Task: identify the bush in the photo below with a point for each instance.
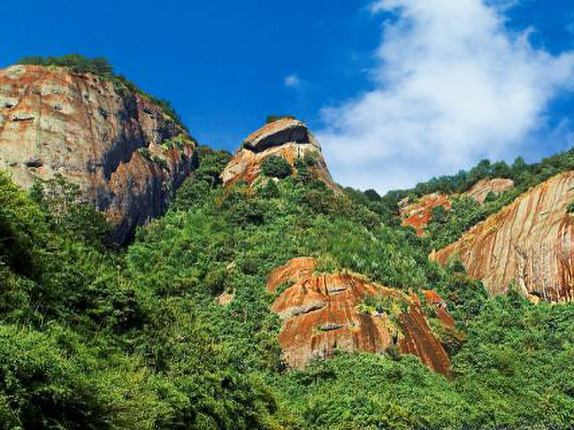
(276, 167)
(273, 118)
(75, 62)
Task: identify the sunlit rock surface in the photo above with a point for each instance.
(418, 214)
(324, 312)
(483, 188)
(529, 243)
(105, 139)
(286, 138)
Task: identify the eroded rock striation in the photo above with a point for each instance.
(529, 243)
(484, 187)
(287, 138)
(121, 148)
(324, 312)
(418, 214)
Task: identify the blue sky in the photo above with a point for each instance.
(363, 74)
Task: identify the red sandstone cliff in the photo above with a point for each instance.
(483, 188)
(418, 214)
(322, 313)
(286, 138)
(529, 243)
(106, 139)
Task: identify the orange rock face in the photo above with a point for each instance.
(528, 243)
(486, 186)
(322, 313)
(417, 215)
(286, 138)
(79, 125)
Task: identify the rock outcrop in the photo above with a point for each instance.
(483, 188)
(121, 148)
(529, 243)
(418, 214)
(287, 138)
(325, 312)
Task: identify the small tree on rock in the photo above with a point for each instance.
(276, 167)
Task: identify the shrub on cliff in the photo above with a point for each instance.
(276, 167)
(76, 62)
(273, 118)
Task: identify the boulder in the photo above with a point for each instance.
(287, 138)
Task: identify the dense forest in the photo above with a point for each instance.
(98, 336)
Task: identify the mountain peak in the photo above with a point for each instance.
(287, 138)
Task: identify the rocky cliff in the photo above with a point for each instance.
(325, 312)
(484, 187)
(119, 146)
(287, 138)
(528, 243)
(418, 214)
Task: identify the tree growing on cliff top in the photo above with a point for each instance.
(273, 118)
(76, 62)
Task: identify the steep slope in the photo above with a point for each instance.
(287, 138)
(418, 214)
(325, 312)
(528, 243)
(121, 148)
(484, 187)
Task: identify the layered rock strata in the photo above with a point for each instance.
(322, 313)
(529, 243)
(121, 148)
(483, 188)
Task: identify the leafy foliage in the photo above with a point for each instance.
(276, 167)
(135, 338)
(273, 118)
(75, 62)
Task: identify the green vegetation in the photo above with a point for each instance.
(100, 66)
(75, 62)
(276, 167)
(97, 337)
(273, 118)
(445, 228)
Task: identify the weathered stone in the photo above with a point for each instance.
(79, 126)
(286, 138)
(417, 215)
(528, 243)
(322, 313)
(483, 188)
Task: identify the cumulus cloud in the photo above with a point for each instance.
(293, 81)
(452, 86)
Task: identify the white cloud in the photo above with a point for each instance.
(453, 85)
(293, 81)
